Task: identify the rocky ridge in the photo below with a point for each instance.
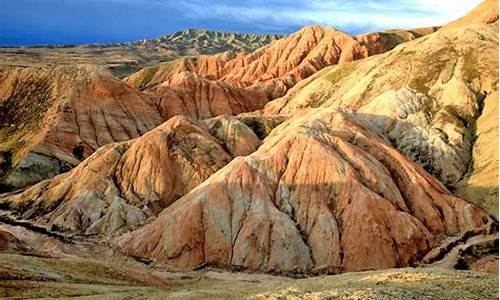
(277, 66)
(80, 108)
(233, 83)
(123, 184)
(485, 13)
(125, 58)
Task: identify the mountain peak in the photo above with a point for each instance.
(485, 13)
(216, 33)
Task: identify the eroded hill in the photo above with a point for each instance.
(232, 83)
(52, 118)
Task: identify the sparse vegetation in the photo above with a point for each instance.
(341, 71)
(23, 112)
(145, 77)
(426, 68)
(470, 65)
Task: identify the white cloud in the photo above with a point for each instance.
(348, 15)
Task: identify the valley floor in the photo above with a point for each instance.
(29, 277)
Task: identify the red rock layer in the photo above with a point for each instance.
(195, 96)
(323, 193)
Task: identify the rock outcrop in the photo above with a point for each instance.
(52, 118)
(197, 97)
(9, 243)
(469, 251)
(238, 139)
(324, 193)
(123, 184)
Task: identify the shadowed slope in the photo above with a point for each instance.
(480, 184)
(54, 117)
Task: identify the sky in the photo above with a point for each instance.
(35, 22)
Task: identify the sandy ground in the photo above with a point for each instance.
(30, 277)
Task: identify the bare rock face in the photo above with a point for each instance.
(324, 193)
(52, 118)
(424, 95)
(9, 243)
(122, 184)
(261, 125)
(298, 56)
(242, 134)
(404, 117)
(238, 138)
(195, 96)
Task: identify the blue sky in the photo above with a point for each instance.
(29, 22)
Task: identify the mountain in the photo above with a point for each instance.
(180, 154)
(335, 188)
(423, 98)
(282, 63)
(324, 193)
(112, 191)
(233, 83)
(82, 107)
(193, 42)
(124, 58)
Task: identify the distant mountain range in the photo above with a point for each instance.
(125, 58)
